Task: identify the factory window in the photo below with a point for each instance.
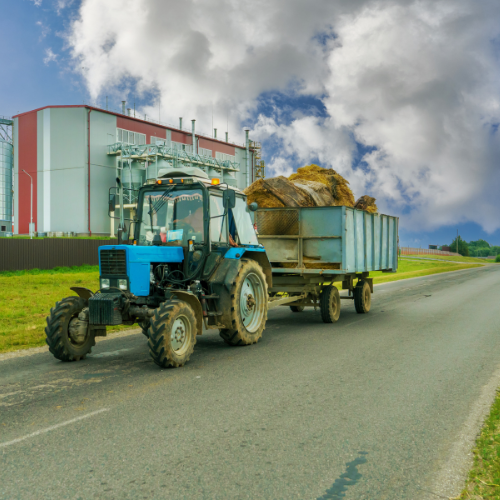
(129, 137)
(4, 228)
(179, 146)
(205, 152)
(225, 157)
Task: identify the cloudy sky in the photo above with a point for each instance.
(402, 97)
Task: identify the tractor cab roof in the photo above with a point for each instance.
(188, 176)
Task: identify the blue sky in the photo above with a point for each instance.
(293, 95)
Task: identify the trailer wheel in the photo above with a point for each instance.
(297, 309)
(69, 338)
(362, 297)
(329, 304)
(172, 334)
(248, 306)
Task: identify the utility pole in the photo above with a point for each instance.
(457, 240)
(31, 222)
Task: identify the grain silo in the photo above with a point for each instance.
(6, 165)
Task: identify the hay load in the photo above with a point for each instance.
(366, 203)
(311, 186)
(338, 186)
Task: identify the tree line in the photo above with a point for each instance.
(479, 248)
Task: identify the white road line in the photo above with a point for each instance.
(52, 428)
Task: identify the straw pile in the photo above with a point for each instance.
(339, 187)
(311, 186)
(366, 203)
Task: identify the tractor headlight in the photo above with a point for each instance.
(104, 283)
(122, 284)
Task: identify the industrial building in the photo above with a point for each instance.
(6, 166)
(65, 159)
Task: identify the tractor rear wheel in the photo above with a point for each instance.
(248, 306)
(172, 334)
(362, 297)
(68, 334)
(329, 304)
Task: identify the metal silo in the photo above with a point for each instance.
(6, 166)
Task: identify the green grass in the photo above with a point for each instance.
(27, 296)
(484, 477)
(417, 268)
(453, 258)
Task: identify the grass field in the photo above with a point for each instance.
(484, 477)
(27, 296)
(415, 268)
(453, 258)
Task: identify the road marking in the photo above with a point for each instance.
(52, 428)
(111, 353)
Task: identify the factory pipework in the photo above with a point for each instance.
(123, 107)
(195, 148)
(247, 144)
(180, 122)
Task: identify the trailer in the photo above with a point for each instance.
(202, 258)
(311, 248)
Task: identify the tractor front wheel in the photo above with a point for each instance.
(172, 334)
(68, 334)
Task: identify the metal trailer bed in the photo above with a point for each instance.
(312, 247)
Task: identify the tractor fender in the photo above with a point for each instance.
(193, 301)
(229, 266)
(82, 292)
(263, 261)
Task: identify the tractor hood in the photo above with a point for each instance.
(135, 263)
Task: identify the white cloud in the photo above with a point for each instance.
(62, 4)
(49, 56)
(44, 30)
(414, 81)
(38, 3)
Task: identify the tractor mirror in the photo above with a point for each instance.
(112, 202)
(229, 198)
(253, 206)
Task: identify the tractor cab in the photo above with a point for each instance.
(193, 212)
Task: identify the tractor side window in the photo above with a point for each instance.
(217, 225)
(244, 224)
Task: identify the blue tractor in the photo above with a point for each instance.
(194, 261)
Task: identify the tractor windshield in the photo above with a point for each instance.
(176, 215)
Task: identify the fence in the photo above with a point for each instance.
(47, 253)
(424, 251)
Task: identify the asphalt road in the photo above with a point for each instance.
(372, 407)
